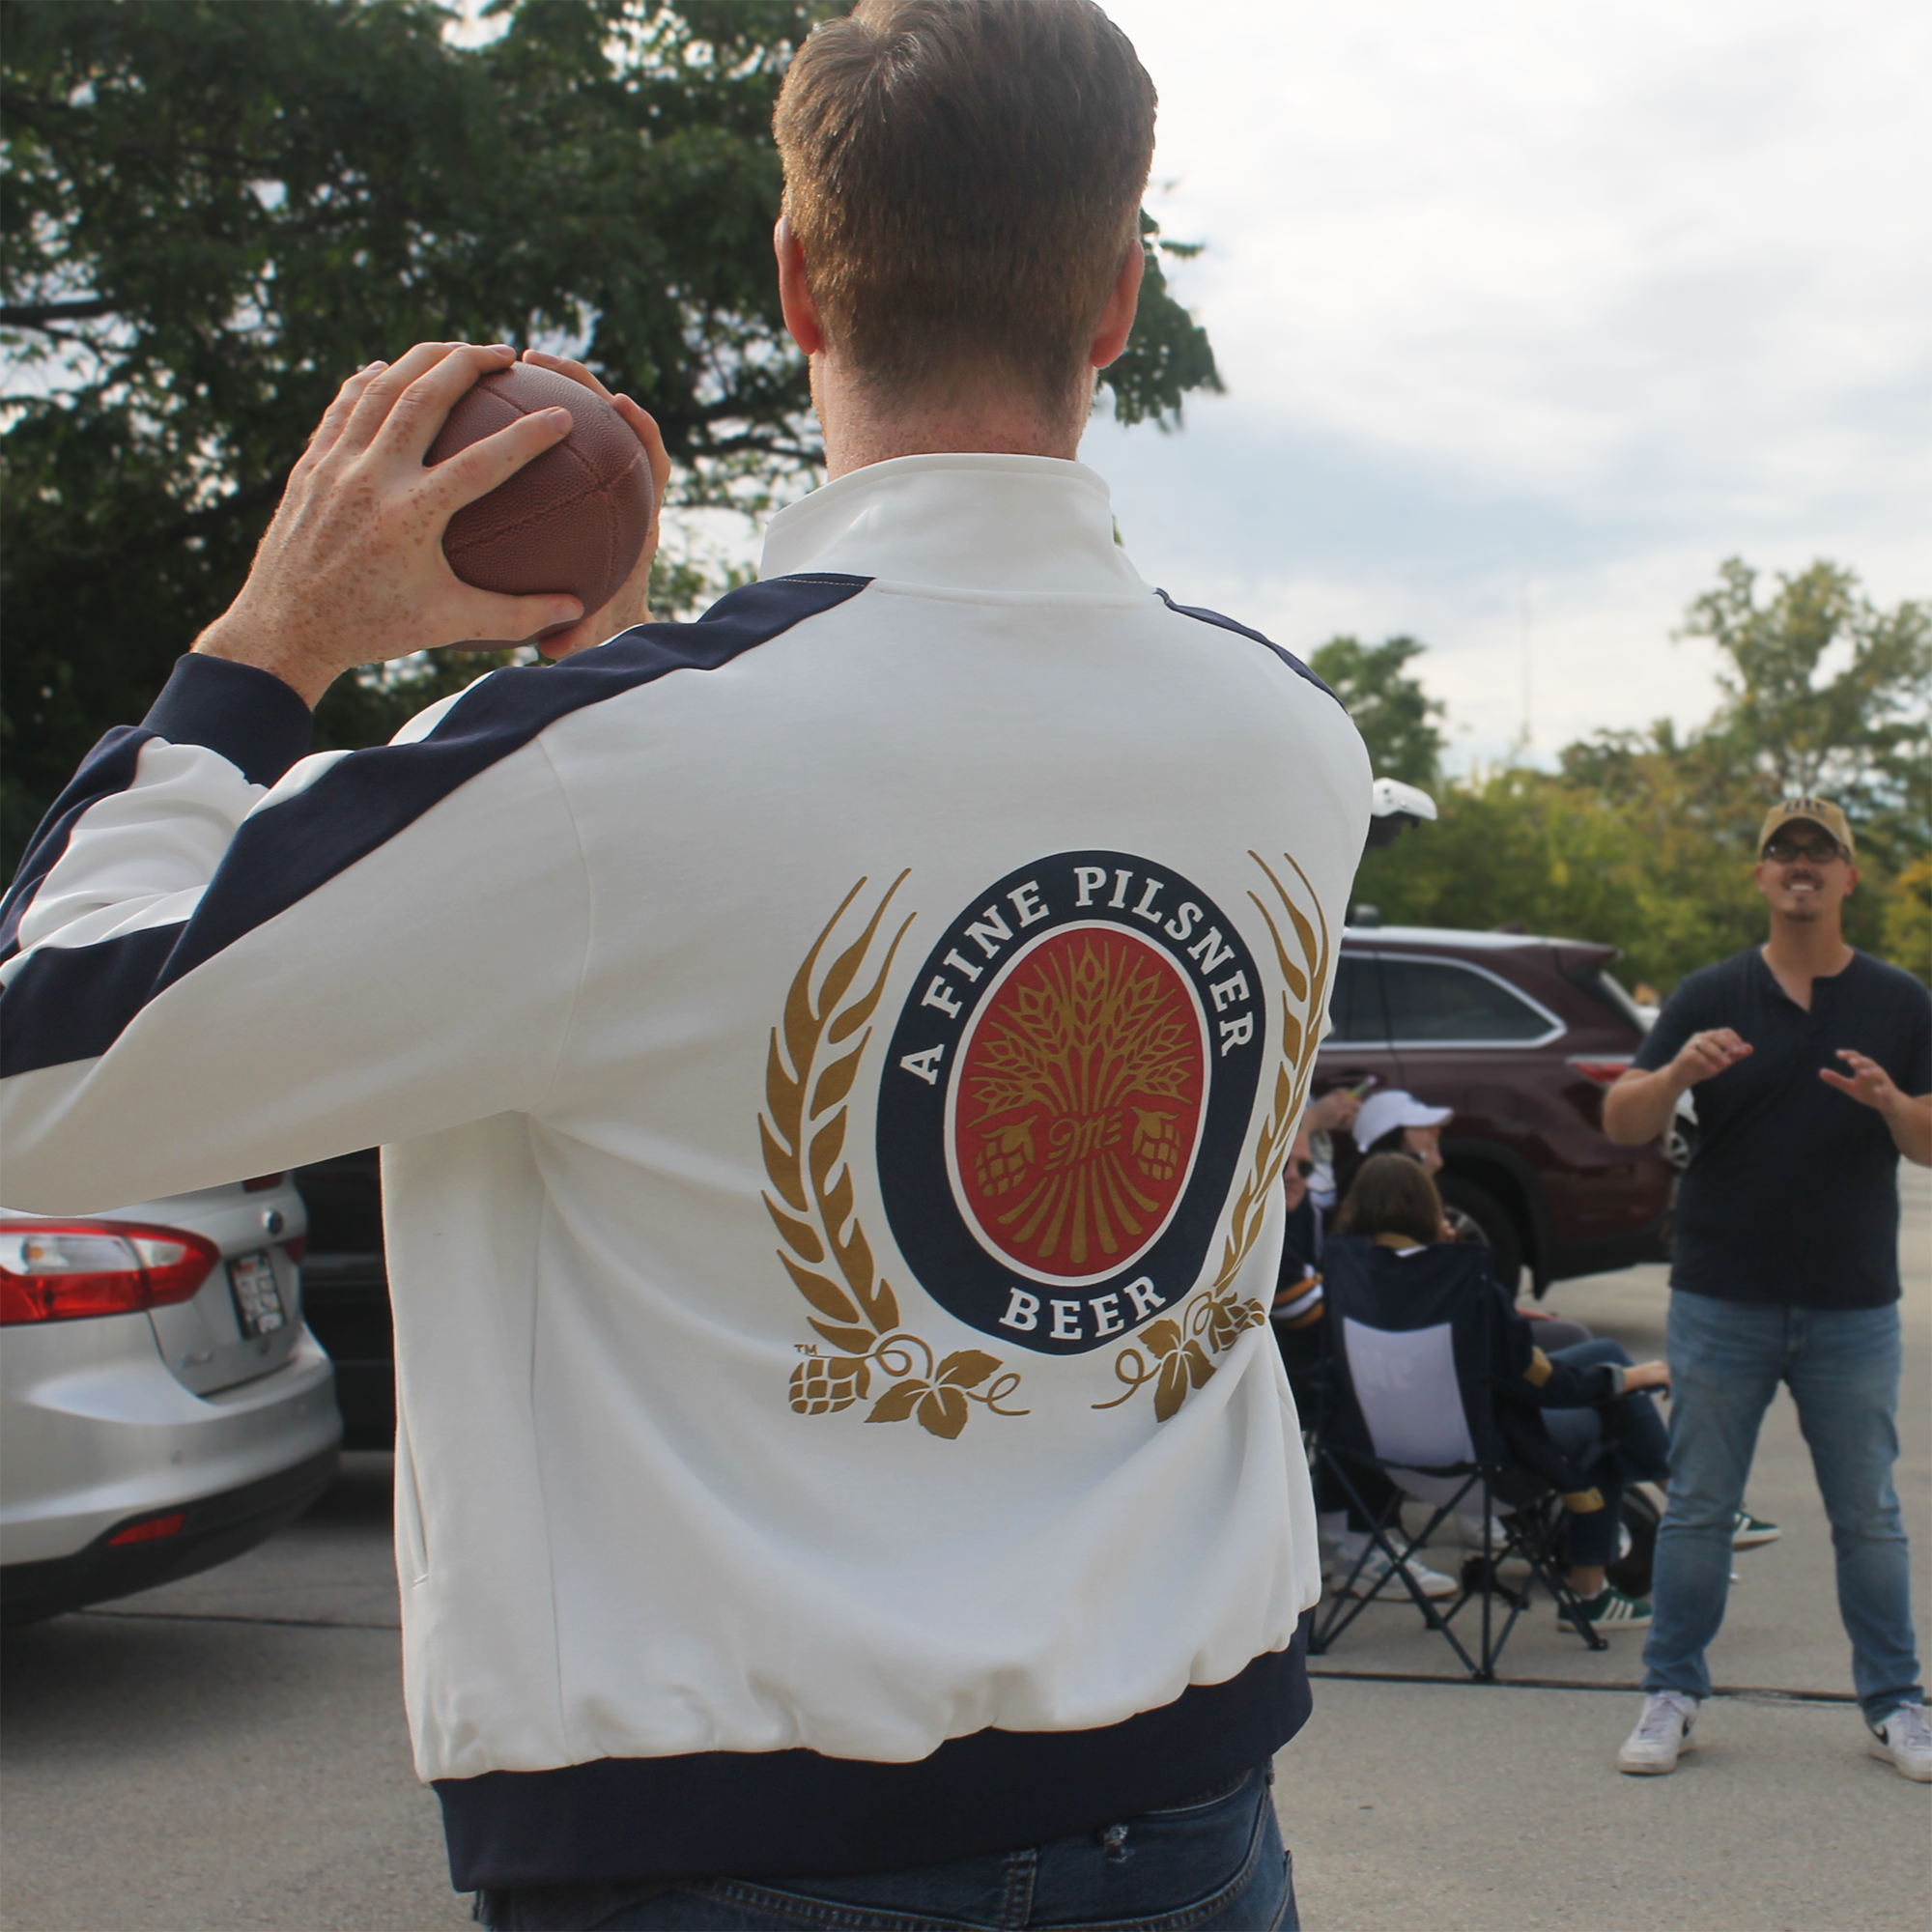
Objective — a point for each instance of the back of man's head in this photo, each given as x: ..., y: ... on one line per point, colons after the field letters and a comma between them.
x: 964, y: 178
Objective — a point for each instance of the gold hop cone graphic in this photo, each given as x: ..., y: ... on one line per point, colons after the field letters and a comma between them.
x: 1004, y: 1156
x: 822, y: 1385
x: 1156, y: 1144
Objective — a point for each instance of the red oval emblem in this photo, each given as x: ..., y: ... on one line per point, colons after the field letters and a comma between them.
x: 1077, y: 1104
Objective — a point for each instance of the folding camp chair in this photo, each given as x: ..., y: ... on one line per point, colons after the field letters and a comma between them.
x: 1412, y: 1397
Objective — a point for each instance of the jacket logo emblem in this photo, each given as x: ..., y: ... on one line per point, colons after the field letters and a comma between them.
x: 1066, y: 1105
x: 1065, y: 1098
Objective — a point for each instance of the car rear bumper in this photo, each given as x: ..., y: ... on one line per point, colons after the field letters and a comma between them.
x: 212, y: 1531
x: 96, y: 1431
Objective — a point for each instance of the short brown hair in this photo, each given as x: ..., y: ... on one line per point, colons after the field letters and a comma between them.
x: 1392, y: 1194
x: 964, y: 178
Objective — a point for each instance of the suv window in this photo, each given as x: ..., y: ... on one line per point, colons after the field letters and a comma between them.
x: 1431, y: 1001
x: 1601, y: 985
x: 1356, y: 1009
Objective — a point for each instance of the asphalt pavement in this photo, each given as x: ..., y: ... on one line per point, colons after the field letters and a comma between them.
x: 230, y: 1750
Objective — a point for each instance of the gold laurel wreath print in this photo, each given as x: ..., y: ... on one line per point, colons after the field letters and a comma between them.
x: 808, y: 1077
x: 1177, y: 1353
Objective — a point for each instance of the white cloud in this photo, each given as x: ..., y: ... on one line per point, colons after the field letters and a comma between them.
x: 1510, y: 290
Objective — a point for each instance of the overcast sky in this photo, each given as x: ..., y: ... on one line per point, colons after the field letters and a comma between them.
x: 1530, y: 314
x: 1512, y: 296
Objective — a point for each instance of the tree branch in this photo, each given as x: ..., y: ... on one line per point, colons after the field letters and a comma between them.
x: 37, y: 315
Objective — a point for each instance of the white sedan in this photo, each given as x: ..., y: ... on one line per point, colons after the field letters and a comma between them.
x: 163, y: 1408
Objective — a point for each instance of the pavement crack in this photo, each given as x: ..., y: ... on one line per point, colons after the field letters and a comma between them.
x: 1762, y: 1693
x: 238, y: 1617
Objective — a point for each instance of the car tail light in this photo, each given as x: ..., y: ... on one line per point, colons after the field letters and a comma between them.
x: 261, y: 1182
x: 151, y: 1532
x: 71, y: 1270
x: 295, y: 1247
x: 1605, y: 1068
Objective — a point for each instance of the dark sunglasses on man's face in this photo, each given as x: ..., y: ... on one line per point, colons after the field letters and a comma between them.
x: 1304, y: 1168
x: 1788, y: 852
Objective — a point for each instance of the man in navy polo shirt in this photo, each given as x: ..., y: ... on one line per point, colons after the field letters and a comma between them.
x: 1813, y: 1069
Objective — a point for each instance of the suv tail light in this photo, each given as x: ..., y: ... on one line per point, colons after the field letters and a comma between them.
x: 1605, y: 1068
x: 71, y: 1270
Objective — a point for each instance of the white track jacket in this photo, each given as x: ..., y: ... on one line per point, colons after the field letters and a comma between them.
x: 834, y: 1063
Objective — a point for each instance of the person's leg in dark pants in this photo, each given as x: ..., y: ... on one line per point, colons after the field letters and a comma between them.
x: 1635, y: 1434
x: 1590, y: 1537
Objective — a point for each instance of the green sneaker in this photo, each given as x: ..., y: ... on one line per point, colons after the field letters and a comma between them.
x: 1610, y: 1609
x: 1752, y: 1530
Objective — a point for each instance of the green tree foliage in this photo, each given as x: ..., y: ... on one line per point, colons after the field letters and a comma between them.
x: 214, y: 212
x: 1395, y: 715
x: 1906, y: 918
x: 1824, y: 694
x: 1645, y: 839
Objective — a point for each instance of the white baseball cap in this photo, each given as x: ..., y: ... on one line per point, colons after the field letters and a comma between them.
x: 1383, y: 1113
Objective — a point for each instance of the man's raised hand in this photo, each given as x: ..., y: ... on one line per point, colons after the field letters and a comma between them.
x: 1867, y: 1083
x: 627, y: 606
x: 1704, y: 1054
x: 351, y: 570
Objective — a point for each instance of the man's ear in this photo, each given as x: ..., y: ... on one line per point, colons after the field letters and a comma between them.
x: 801, y: 312
x: 1116, y: 319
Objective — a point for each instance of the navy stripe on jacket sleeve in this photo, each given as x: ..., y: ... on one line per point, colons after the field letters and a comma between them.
x: 249, y: 717
x: 1287, y: 658
x: 107, y: 769
x: 255, y: 720
x: 72, y: 1006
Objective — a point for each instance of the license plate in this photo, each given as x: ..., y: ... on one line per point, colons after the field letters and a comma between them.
x: 258, y: 1298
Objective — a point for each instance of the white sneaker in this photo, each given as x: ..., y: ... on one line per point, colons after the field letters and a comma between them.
x: 1661, y: 1734
x: 1431, y: 1583
x: 1468, y: 1531
x: 1905, y: 1742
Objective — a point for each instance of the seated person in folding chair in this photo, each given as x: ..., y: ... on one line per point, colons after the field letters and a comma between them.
x: 1302, y: 1336
x: 1395, y: 1122
x: 1580, y: 1416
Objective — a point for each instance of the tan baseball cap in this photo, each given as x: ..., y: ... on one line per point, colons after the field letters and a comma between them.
x: 1818, y: 811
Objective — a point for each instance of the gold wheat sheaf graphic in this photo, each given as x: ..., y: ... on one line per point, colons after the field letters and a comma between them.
x: 1177, y: 1353
x: 1075, y: 1042
x: 809, y: 1076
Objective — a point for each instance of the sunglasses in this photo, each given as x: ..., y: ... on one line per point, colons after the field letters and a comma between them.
x: 1788, y: 851
x: 1304, y: 1168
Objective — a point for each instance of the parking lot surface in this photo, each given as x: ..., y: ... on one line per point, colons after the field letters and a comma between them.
x: 230, y: 1750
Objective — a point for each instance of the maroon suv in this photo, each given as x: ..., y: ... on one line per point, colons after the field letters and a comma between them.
x: 1520, y: 1036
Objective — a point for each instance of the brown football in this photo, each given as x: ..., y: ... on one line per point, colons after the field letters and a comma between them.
x: 573, y: 519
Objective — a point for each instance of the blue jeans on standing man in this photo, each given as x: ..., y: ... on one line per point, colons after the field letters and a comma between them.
x: 1212, y: 1864
x: 1842, y: 1368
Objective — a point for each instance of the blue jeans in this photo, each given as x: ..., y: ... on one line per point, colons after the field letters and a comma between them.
x: 1842, y: 1368
x: 1213, y: 1864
